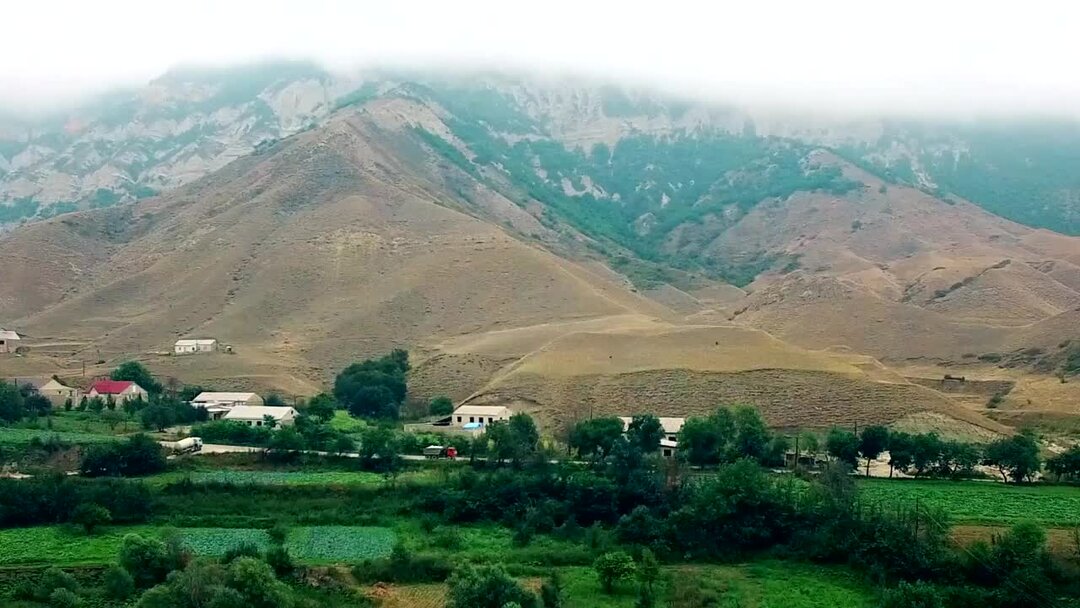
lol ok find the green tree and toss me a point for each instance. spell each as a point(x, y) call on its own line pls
point(551, 591)
point(254, 580)
point(700, 441)
point(486, 586)
point(900, 451)
point(90, 516)
point(157, 417)
point(134, 371)
point(441, 406)
point(322, 407)
point(286, 440)
point(1066, 465)
point(613, 567)
point(925, 452)
point(752, 436)
point(872, 442)
point(54, 579)
point(148, 560)
point(1015, 457)
point(843, 446)
point(515, 439)
point(11, 402)
point(648, 570)
point(645, 433)
point(374, 388)
point(274, 400)
point(595, 437)
point(117, 583)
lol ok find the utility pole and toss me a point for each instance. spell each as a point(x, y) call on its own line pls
point(795, 465)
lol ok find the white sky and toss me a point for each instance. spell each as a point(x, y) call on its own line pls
point(912, 55)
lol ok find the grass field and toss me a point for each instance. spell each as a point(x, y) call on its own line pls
point(275, 478)
point(980, 501)
point(21, 437)
point(68, 546)
point(758, 585)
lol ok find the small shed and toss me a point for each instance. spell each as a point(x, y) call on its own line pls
point(191, 346)
point(9, 341)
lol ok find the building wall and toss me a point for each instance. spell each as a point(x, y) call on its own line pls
point(463, 419)
point(8, 346)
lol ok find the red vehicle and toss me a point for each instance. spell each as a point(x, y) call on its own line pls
point(438, 451)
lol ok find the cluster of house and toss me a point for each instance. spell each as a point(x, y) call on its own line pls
point(475, 417)
point(246, 408)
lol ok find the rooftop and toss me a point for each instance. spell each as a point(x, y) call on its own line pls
point(482, 410)
point(195, 342)
point(6, 334)
point(258, 412)
point(670, 425)
point(111, 387)
point(208, 397)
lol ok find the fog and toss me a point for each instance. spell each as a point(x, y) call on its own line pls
point(915, 57)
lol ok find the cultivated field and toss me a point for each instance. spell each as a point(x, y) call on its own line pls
point(983, 502)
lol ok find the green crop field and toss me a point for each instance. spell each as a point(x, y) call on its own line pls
point(981, 502)
point(277, 478)
point(67, 545)
point(14, 436)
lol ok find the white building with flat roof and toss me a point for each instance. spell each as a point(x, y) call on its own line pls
point(252, 415)
point(191, 346)
point(671, 426)
point(480, 414)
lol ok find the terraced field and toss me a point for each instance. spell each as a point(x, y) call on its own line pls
point(21, 437)
point(982, 502)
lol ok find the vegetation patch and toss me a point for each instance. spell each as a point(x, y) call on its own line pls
point(319, 544)
point(980, 501)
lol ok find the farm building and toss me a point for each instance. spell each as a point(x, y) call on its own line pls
point(119, 390)
point(219, 404)
point(479, 414)
point(671, 426)
point(193, 346)
point(50, 388)
point(255, 415)
point(9, 341)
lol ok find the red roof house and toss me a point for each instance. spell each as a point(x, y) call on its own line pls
point(120, 390)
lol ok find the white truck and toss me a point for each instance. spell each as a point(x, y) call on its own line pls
point(183, 446)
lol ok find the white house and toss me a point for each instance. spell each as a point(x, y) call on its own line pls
point(207, 399)
point(192, 346)
point(671, 426)
point(481, 414)
point(119, 390)
point(255, 415)
point(50, 388)
point(9, 341)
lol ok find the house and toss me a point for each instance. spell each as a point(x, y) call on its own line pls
point(9, 341)
point(668, 448)
point(671, 426)
point(219, 404)
point(50, 388)
point(119, 390)
point(255, 415)
point(479, 414)
point(192, 346)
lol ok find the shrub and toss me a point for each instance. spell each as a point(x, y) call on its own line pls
point(278, 533)
point(913, 595)
point(90, 516)
point(613, 567)
point(280, 561)
point(118, 584)
point(63, 598)
point(55, 579)
point(242, 550)
point(441, 406)
point(486, 587)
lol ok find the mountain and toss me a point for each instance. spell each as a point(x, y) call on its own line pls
point(559, 246)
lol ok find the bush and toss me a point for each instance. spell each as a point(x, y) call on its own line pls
point(139, 455)
point(118, 584)
point(90, 516)
point(441, 406)
point(52, 580)
point(486, 587)
point(613, 567)
point(403, 567)
point(913, 595)
point(280, 561)
point(241, 550)
point(278, 533)
point(63, 598)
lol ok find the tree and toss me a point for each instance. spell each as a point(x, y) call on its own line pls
point(52, 580)
point(146, 559)
point(613, 567)
point(322, 407)
point(441, 406)
point(872, 442)
point(900, 451)
point(925, 452)
point(274, 400)
point(118, 583)
point(135, 372)
point(90, 516)
point(645, 433)
point(157, 417)
point(138, 455)
point(374, 388)
point(751, 434)
point(1066, 465)
point(286, 441)
point(11, 402)
point(700, 441)
point(1015, 457)
point(515, 439)
point(648, 570)
point(843, 446)
point(486, 586)
point(596, 437)
point(112, 418)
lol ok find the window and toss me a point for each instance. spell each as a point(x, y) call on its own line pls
point(472, 418)
point(459, 418)
point(672, 438)
point(490, 420)
point(258, 423)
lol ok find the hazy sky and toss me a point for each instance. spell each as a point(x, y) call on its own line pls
point(955, 55)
